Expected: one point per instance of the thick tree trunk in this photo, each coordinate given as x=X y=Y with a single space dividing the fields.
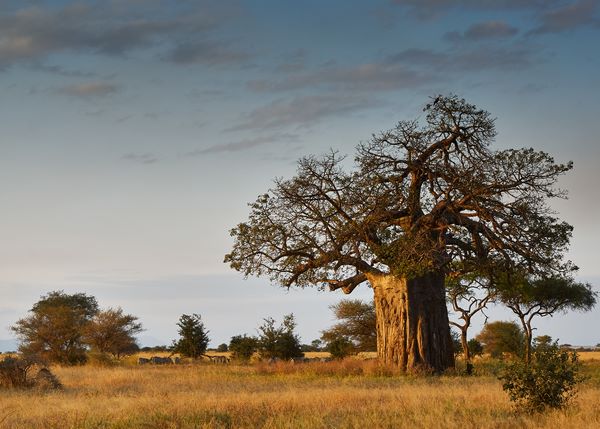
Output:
x=413 y=331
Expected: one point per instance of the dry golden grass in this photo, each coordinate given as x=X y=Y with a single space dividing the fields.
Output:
x=349 y=394
x=589 y=356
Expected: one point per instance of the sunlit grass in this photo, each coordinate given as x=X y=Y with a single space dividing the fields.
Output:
x=347 y=394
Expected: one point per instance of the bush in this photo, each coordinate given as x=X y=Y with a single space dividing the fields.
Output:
x=548 y=381
x=16 y=373
x=279 y=342
x=242 y=347
x=340 y=347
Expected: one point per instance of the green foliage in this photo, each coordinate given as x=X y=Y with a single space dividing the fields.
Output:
x=112 y=332
x=193 y=338
x=475 y=347
x=222 y=348
x=357 y=323
x=55 y=328
x=548 y=381
x=456 y=343
x=501 y=337
x=340 y=347
x=279 y=341
x=243 y=347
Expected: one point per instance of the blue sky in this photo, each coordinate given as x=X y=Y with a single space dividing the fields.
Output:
x=134 y=133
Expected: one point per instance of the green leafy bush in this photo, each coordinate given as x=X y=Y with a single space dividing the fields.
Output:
x=548 y=381
x=340 y=347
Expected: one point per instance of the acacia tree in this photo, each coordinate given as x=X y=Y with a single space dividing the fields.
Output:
x=424 y=199
x=468 y=296
x=529 y=297
x=55 y=328
x=357 y=323
x=502 y=337
x=112 y=331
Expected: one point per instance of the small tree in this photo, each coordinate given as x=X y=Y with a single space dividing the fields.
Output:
x=529 y=297
x=193 y=339
x=242 y=347
x=501 y=337
x=548 y=381
x=111 y=331
x=468 y=295
x=357 y=323
x=221 y=348
x=55 y=328
x=279 y=342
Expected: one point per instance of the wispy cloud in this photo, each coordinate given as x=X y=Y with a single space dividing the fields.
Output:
x=303 y=111
x=427 y=9
x=484 y=31
x=470 y=60
x=566 y=18
x=32 y=33
x=376 y=76
x=245 y=144
x=141 y=158
x=205 y=52
x=89 y=89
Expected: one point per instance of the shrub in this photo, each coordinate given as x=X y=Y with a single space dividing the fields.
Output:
x=242 y=347
x=279 y=342
x=548 y=381
x=340 y=347
x=15 y=372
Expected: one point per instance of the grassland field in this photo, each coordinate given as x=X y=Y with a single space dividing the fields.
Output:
x=346 y=394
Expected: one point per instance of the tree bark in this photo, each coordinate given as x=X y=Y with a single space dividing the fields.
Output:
x=413 y=331
x=465 y=343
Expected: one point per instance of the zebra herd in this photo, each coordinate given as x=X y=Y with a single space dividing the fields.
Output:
x=158 y=360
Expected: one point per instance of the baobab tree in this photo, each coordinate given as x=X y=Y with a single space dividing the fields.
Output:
x=424 y=200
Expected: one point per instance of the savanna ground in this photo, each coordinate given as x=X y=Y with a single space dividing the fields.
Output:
x=347 y=394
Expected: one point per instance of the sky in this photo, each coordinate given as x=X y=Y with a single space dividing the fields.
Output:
x=135 y=132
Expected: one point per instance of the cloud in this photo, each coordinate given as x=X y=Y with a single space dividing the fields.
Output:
x=471 y=60
x=141 y=158
x=206 y=52
x=89 y=89
x=570 y=17
x=303 y=111
x=32 y=33
x=377 y=76
x=61 y=71
x=427 y=9
x=484 y=31
x=244 y=144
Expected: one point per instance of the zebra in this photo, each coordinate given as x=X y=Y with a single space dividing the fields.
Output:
x=157 y=360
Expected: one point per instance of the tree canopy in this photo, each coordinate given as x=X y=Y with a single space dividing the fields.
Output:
x=421 y=197
x=426 y=200
x=112 y=331
x=502 y=337
x=356 y=324
x=193 y=337
x=55 y=328
x=529 y=297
